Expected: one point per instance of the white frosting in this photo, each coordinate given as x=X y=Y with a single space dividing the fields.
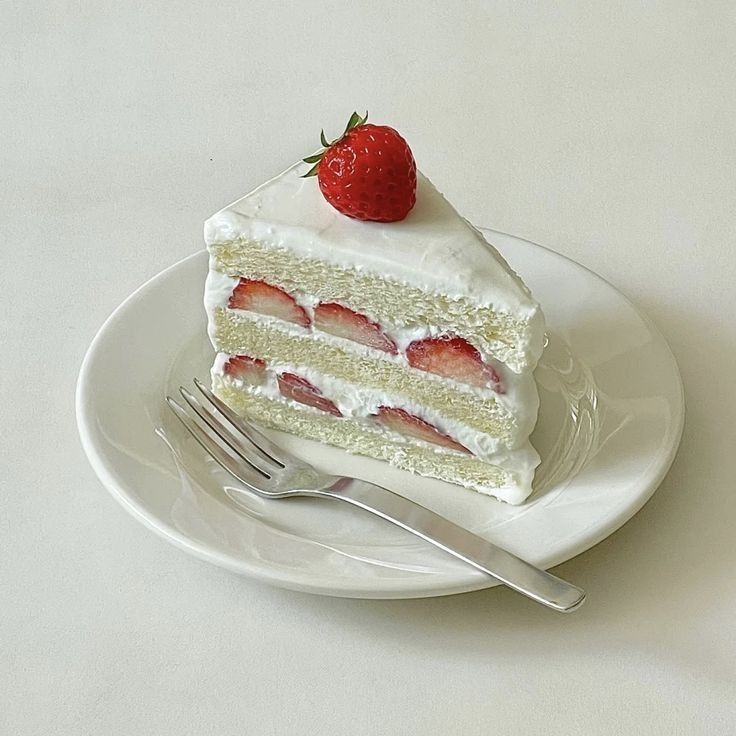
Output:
x=433 y=248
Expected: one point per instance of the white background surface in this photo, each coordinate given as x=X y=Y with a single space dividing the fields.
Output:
x=605 y=131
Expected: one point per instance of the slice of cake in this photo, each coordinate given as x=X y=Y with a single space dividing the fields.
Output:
x=411 y=341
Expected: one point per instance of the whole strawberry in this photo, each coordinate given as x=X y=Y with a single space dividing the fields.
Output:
x=368 y=173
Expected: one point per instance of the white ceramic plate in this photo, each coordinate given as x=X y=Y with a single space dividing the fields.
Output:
x=610 y=421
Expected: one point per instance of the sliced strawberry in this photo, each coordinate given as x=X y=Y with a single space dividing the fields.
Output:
x=299 y=389
x=404 y=423
x=247 y=369
x=453 y=357
x=258 y=296
x=343 y=322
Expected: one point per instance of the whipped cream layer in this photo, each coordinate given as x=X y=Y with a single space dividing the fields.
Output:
x=360 y=404
x=433 y=248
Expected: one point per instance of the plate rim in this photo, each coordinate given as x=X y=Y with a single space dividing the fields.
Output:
x=321 y=585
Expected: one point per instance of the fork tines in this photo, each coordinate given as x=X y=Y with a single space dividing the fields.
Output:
x=231 y=441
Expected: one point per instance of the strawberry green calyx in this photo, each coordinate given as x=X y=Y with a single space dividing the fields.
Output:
x=354 y=122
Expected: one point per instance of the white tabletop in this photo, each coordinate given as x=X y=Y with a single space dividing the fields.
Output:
x=602 y=131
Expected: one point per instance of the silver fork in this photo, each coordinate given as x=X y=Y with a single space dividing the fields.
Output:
x=271 y=472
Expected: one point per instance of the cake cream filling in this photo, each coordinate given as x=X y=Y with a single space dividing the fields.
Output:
x=219 y=287
x=509 y=482
x=520 y=398
x=361 y=404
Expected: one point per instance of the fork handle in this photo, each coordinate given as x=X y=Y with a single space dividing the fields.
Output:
x=514 y=572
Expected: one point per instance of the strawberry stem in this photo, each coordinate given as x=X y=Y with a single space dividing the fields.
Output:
x=354 y=122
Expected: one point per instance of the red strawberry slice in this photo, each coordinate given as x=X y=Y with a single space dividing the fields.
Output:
x=247 y=369
x=343 y=322
x=453 y=357
x=299 y=389
x=258 y=296
x=404 y=423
